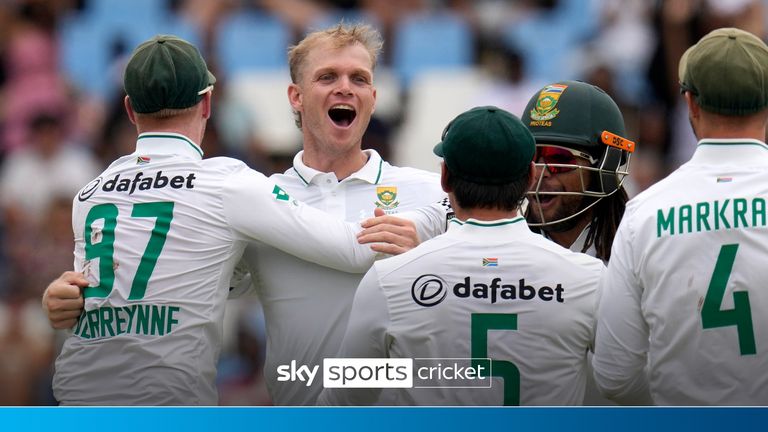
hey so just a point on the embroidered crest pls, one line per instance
(544, 109)
(387, 197)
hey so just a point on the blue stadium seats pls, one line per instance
(92, 41)
(337, 16)
(431, 41)
(138, 13)
(251, 41)
(84, 54)
(548, 38)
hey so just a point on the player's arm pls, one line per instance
(241, 282)
(621, 344)
(389, 234)
(258, 209)
(63, 300)
(397, 234)
(365, 337)
(431, 220)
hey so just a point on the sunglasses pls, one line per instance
(559, 159)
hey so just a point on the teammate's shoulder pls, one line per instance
(409, 174)
(415, 257)
(287, 178)
(578, 259)
(227, 165)
(664, 186)
(224, 161)
(109, 171)
(586, 260)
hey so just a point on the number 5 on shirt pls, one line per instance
(741, 314)
(481, 324)
(104, 250)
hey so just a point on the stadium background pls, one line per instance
(62, 119)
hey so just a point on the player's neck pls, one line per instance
(756, 133)
(566, 238)
(190, 130)
(717, 126)
(483, 214)
(343, 165)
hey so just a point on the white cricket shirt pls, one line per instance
(158, 235)
(592, 396)
(483, 289)
(306, 306)
(685, 291)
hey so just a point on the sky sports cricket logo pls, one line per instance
(392, 373)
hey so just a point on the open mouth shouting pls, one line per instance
(342, 115)
(545, 198)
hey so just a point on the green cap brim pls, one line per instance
(438, 150)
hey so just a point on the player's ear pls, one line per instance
(532, 176)
(129, 110)
(373, 109)
(295, 97)
(444, 175)
(207, 103)
(693, 108)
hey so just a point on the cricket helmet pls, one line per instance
(572, 119)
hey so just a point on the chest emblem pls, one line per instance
(386, 197)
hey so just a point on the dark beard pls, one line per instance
(568, 208)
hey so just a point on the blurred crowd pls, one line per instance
(60, 126)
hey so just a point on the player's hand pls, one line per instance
(63, 300)
(388, 234)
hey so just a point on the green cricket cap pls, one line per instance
(487, 145)
(727, 72)
(166, 72)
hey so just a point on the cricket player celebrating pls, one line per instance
(488, 292)
(157, 235)
(582, 158)
(684, 295)
(306, 306)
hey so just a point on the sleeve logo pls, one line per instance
(280, 194)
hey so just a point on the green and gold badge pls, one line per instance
(545, 106)
(387, 197)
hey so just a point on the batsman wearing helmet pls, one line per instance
(577, 199)
(582, 158)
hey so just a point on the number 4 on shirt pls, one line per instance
(104, 250)
(741, 314)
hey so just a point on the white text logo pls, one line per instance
(293, 373)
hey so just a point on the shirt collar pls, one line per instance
(495, 230)
(370, 172)
(577, 244)
(154, 143)
(741, 151)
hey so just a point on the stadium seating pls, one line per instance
(251, 41)
(425, 42)
(92, 42)
(435, 98)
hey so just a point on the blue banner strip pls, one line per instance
(282, 419)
